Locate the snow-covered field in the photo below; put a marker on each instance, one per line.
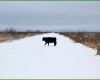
(29, 56)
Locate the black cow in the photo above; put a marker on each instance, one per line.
(49, 40)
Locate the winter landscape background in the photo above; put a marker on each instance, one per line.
(74, 24)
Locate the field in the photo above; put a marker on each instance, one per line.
(91, 39)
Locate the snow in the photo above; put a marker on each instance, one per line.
(29, 56)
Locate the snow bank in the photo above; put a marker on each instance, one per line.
(29, 56)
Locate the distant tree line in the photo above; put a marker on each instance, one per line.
(12, 30)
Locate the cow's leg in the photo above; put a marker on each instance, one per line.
(45, 43)
(48, 43)
(55, 43)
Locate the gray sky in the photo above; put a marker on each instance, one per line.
(66, 16)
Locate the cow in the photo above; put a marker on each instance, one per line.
(49, 40)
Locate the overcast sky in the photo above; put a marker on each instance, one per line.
(50, 15)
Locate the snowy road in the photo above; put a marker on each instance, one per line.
(28, 56)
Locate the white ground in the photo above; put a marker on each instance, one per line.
(28, 56)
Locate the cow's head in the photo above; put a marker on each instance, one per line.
(43, 39)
